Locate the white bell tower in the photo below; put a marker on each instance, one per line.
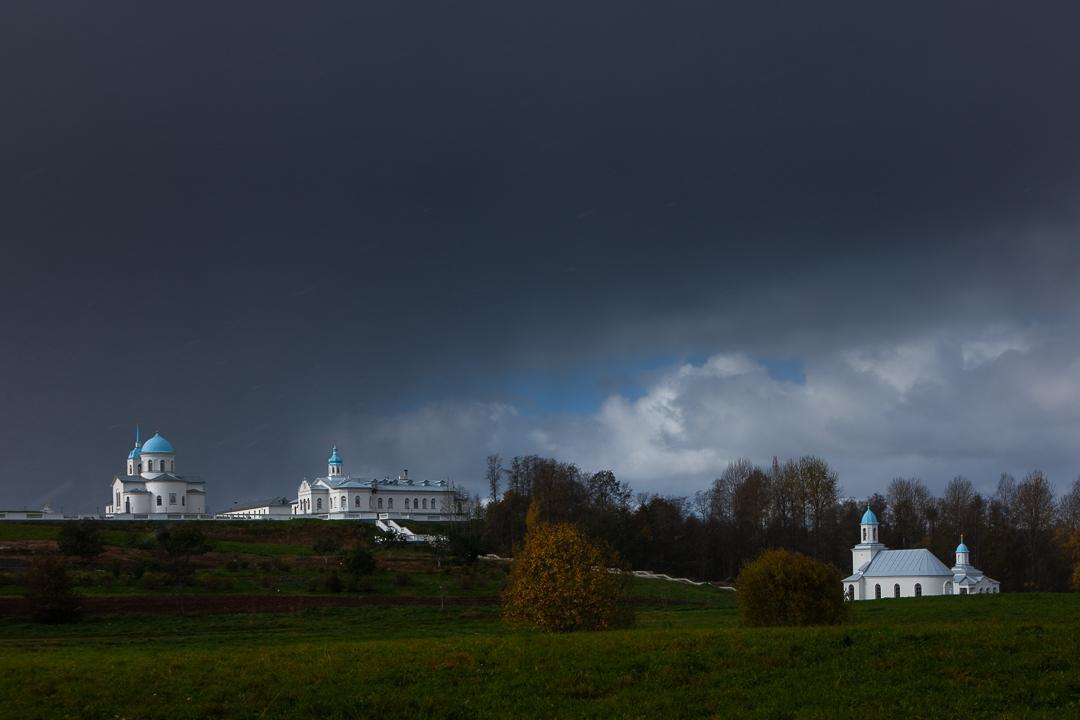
(134, 461)
(333, 464)
(869, 544)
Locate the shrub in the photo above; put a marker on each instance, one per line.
(333, 583)
(50, 593)
(559, 582)
(789, 588)
(358, 562)
(80, 539)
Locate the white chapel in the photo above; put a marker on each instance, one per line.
(152, 487)
(878, 572)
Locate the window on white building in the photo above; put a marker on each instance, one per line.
(918, 590)
(850, 592)
(389, 503)
(864, 534)
(159, 500)
(877, 592)
(425, 503)
(432, 503)
(344, 503)
(140, 468)
(896, 590)
(380, 503)
(172, 498)
(318, 503)
(357, 501)
(162, 466)
(415, 503)
(182, 498)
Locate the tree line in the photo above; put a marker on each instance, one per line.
(1021, 534)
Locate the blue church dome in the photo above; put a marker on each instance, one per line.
(157, 444)
(869, 518)
(962, 548)
(335, 459)
(134, 454)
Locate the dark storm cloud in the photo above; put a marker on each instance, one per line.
(243, 222)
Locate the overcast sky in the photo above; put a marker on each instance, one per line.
(649, 237)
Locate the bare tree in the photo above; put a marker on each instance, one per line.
(1069, 508)
(1035, 516)
(908, 499)
(494, 475)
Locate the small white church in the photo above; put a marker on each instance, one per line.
(151, 486)
(878, 572)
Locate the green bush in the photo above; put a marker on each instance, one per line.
(358, 562)
(80, 539)
(50, 592)
(789, 588)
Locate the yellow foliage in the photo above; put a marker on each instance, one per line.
(560, 583)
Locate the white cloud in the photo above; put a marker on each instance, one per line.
(933, 406)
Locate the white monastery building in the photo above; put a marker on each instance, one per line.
(151, 486)
(275, 507)
(339, 496)
(879, 572)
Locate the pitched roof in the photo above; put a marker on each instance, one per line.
(901, 563)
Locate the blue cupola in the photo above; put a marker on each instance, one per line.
(157, 444)
(963, 555)
(135, 454)
(869, 526)
(333, 462)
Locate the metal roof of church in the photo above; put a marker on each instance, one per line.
(900, 563)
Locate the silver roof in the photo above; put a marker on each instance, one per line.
(900, 563)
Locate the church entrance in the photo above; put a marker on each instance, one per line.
(127, 505)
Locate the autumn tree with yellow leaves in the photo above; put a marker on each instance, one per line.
(560, 583)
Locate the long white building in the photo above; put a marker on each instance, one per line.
(878, 572)
(339, 496)
(151, 486)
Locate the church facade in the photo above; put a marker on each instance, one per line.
(339, 496)
(878, 572)
(151, 486)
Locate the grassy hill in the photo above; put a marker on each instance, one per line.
(1009, 655)
(1005, 655)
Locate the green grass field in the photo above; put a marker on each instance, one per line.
(1000, 656)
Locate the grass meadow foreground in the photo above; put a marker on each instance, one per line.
(1006, 656)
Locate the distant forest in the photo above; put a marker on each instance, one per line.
(1022, 535)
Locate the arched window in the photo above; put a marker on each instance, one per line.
(877, 592)
(407, 503)
(864, 534)
(380, 503)
(344, 503)
(389, 503)
(415, 503)
(182, 499)
(140, 468)
(432, 503)
(918, 589)
(318, 503)
(850, 592)
(159, 500)
(357, 501)
(896, 590)
(425, 503)
(162, 466)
